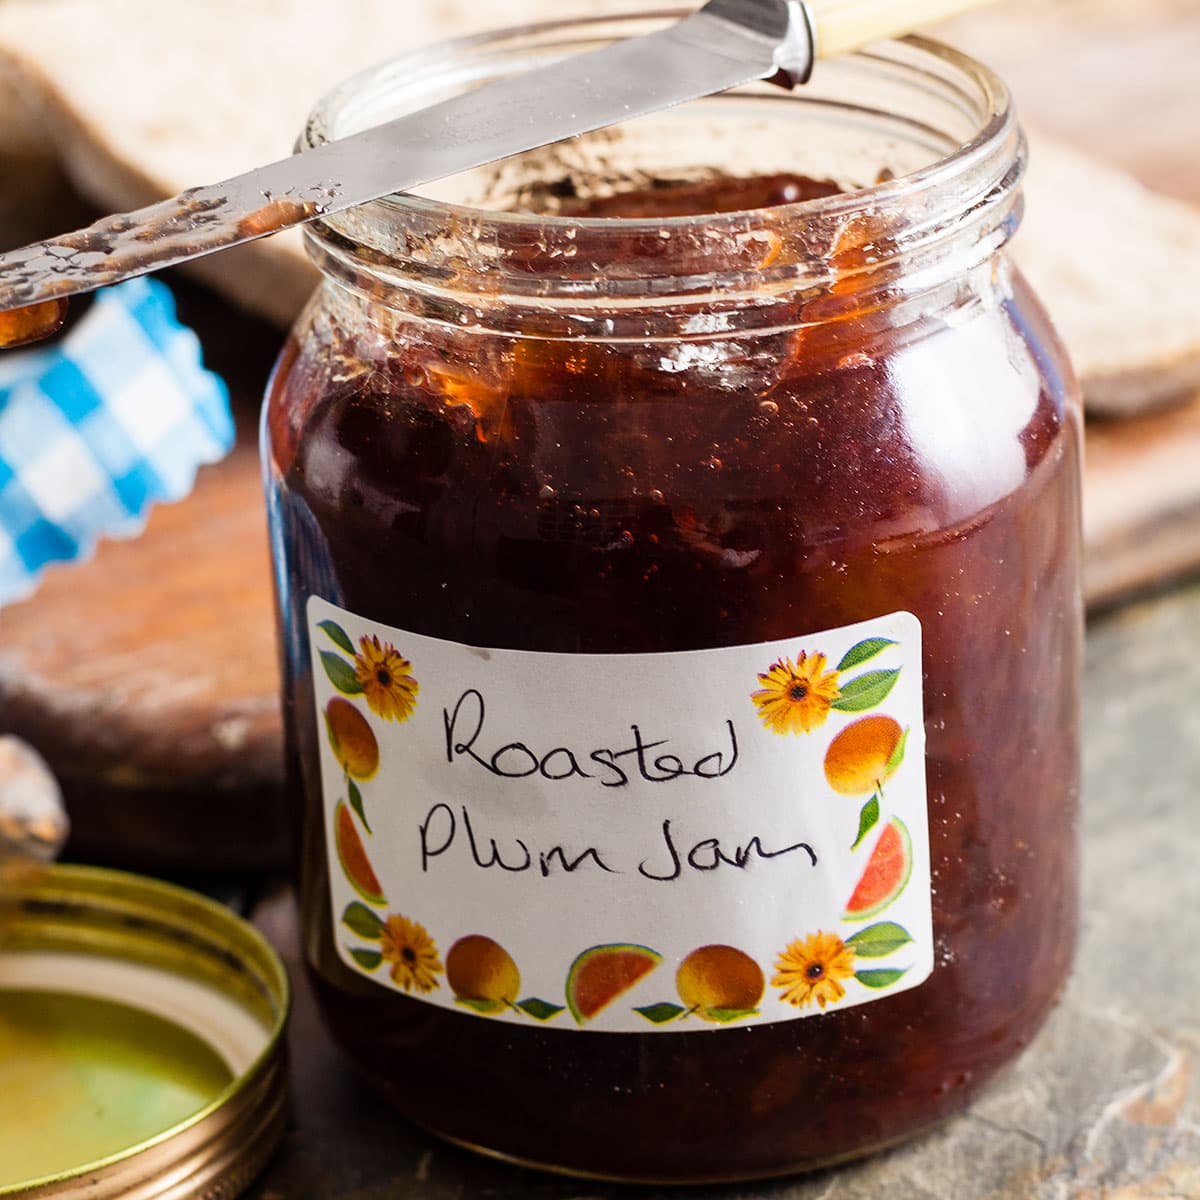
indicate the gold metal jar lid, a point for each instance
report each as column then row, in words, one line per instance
column 141, row 1040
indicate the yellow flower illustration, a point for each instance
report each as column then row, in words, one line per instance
column 412, row 952
column 390, row 690
column 813, row 968
column 796, row 697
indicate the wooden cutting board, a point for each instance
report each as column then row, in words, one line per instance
column 147, row 676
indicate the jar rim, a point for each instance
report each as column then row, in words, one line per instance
column 997, row 129
column 941, row 121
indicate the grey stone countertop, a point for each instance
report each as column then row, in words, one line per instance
column 1105, row 1105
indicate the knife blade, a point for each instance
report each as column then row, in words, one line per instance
column 725, row 44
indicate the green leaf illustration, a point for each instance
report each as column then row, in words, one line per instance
column 337, row 635
column 660, row 1014
column 863, row 651
column 897, row 755
column 356, row 803
column 867, row 819
column 879, row 978
column 539, row 1010
column 725, row 1015
column 866, row 691
column 367, row 959
column 363, row 921
column 341, row 673
column 480, row 1006
column 876, row 941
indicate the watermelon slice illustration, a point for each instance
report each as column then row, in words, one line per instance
column 353, row 857
column 601, row 974
column 886, row 875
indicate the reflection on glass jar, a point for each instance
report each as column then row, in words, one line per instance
column 755, row 376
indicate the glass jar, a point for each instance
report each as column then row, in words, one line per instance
column 551, row 471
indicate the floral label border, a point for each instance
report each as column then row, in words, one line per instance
column 810, row 893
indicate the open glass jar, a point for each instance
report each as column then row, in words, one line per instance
column 678, row 593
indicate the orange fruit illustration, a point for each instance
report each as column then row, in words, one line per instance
column 721, row 978
column 354, row 745
column 856, row 762
column 481, row 970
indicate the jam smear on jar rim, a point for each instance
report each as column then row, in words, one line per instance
column 34, row 323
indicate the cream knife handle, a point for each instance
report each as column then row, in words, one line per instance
column 845, row 25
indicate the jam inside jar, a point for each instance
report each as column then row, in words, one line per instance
column 746, row 372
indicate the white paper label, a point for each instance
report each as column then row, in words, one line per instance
column 627, row 842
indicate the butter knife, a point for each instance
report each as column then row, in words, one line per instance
column 723, row 45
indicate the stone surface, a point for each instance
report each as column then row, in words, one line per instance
column 1105, row 1105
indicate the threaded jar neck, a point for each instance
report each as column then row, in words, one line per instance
column 921, row 140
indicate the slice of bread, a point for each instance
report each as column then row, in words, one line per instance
column 140, row 106
column 1118, row 268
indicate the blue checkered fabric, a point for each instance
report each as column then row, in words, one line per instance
column 97, row 428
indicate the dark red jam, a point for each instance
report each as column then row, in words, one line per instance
column 630, row 496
